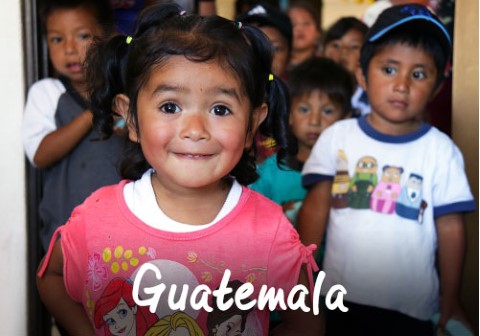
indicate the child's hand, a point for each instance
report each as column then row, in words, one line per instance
column 458, row 315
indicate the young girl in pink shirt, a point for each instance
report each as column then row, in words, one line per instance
column 182, row 223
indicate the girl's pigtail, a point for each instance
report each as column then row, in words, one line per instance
column 276, row 125
column 104, row 71
column 277, row 98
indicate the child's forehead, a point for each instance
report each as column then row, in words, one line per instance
column 350, row 34
column 314, row 94
column 300, row 12
column 76, row 15
column 392, row 50
column 354, row 30
column 177, row 71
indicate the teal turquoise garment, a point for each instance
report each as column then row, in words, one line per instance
column 284, row 187
column 281, row 185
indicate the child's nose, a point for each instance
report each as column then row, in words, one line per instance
column 402, row 83
column 70, row 46
column 315, row 118
column 194, row 127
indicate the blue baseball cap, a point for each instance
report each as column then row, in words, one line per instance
column 411, row 15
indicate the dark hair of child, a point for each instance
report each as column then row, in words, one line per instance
column 342, row 26
column 116, row 66
column 411, row 36
column 101, row 10
column 323, row 74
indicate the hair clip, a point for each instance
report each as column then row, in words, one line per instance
column 182, row 13
column 239, row 25
column 270, row 77
column 128, row 39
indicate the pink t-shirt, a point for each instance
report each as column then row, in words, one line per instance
column 104, row 245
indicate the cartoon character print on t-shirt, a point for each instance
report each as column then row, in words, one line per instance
column 341, row 182
column 362, row 183
column 386, row 192
column 388, row 196
column 109, row 299
column 177, row 324
column 117, row 313
column 410, row 204
column 232, row 321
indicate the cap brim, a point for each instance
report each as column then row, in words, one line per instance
column 417, row 19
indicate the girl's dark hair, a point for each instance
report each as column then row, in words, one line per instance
column 162, row 32
column 101, row 10
column 411, row 36
column 342, row 26
column 323, row 74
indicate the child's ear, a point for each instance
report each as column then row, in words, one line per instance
column 121, row 105
column 258, row 116
column 360, row 77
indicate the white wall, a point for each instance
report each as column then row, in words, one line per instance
column 13, row 309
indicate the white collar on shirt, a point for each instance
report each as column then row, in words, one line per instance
column 141, row 200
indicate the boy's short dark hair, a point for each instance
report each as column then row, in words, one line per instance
column 413, row 25
column 323, row 74
column 101, row 9
column 344, row 25
column 265, row 15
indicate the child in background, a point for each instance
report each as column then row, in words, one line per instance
column 307, row 31
column 342, row 44
column 192, row 110
column 278, row 28
column 57, row 127
column 408, row 189
column 320, row 92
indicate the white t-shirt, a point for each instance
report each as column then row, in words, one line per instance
column 39, row 116
column 381, row 244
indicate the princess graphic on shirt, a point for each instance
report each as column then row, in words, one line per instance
column 230, row 322
column 118, row 314
column 177, row 324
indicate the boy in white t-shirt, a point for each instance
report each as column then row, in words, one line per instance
column 407, row 189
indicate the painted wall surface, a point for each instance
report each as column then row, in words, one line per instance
column 12, row 195
column 465, row 134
